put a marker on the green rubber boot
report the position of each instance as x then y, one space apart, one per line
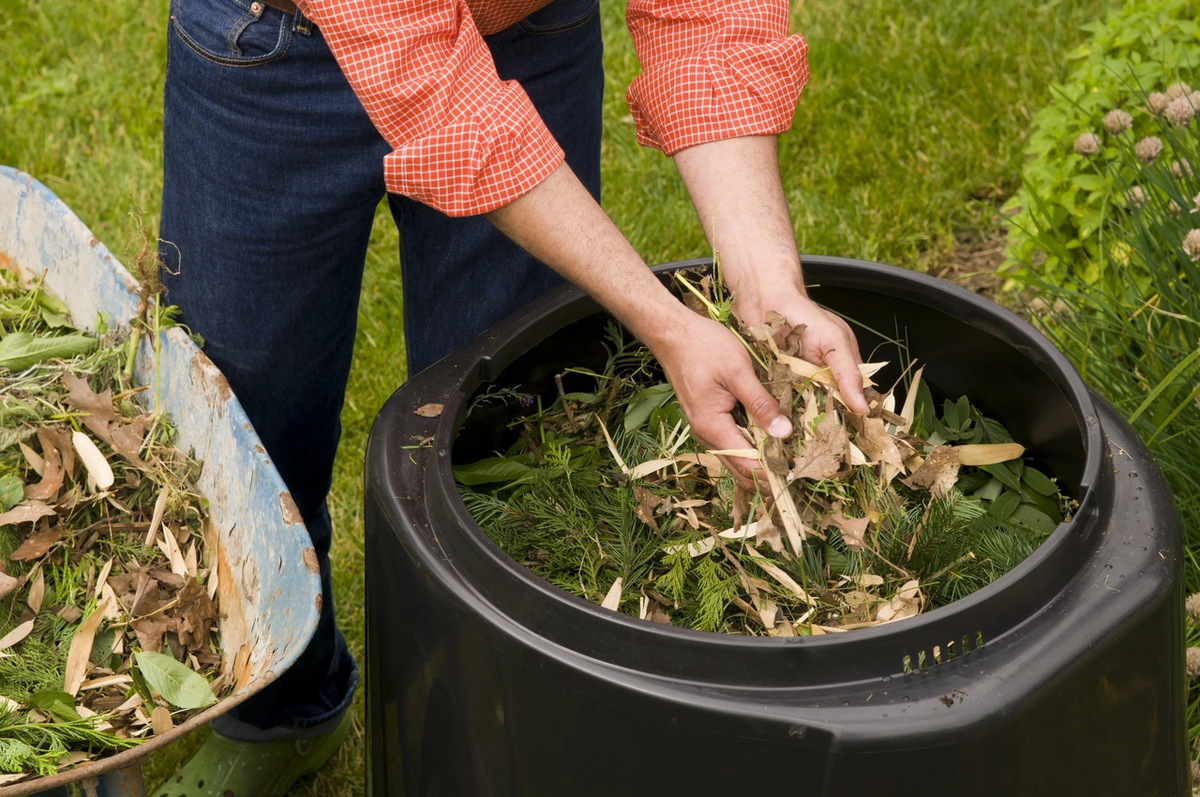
225 767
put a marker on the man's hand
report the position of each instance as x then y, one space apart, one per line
737 191
712 373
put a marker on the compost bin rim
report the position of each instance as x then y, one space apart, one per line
495 351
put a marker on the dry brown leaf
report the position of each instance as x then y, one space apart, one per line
26 512
779 575
194 616
160 506
36 544
774 457
612 448
988 453
613 599
8 585
81 649
60 439
99 472
36 463
773 323
906 603
701 547
768 532
875 442
16 635
150 630
189 560
101 417
647 502
853 529
768 610
649 467
783 629
779 383
430 410
37 592
160 720
108 680
126 438
823 455
52 472
170 546
937 473
102 579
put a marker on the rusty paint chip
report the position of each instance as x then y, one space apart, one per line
288 508
310 560
430 410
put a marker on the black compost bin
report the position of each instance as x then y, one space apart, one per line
1068 674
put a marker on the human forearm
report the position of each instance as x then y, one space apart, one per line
559 223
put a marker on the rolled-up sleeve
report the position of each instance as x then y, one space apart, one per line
463 140
713 69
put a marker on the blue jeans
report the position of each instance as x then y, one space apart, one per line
271 176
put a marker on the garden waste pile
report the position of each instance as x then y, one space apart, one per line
857 520
107 616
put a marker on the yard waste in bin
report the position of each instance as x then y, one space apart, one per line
268 587
1066 677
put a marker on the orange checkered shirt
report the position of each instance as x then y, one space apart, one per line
466 142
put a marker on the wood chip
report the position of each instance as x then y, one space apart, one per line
430 410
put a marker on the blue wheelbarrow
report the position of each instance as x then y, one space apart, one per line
268 583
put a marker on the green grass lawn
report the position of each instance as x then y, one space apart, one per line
906 140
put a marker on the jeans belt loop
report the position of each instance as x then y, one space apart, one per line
302 24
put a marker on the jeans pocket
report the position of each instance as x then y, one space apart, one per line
232 32
559 16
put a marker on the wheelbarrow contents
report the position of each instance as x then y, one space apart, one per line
860 521
107 616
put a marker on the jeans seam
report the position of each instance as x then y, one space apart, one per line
561 27
194 46
236 29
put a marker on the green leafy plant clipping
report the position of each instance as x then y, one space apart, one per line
174 682
19 350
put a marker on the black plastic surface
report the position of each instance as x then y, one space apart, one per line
1067 675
